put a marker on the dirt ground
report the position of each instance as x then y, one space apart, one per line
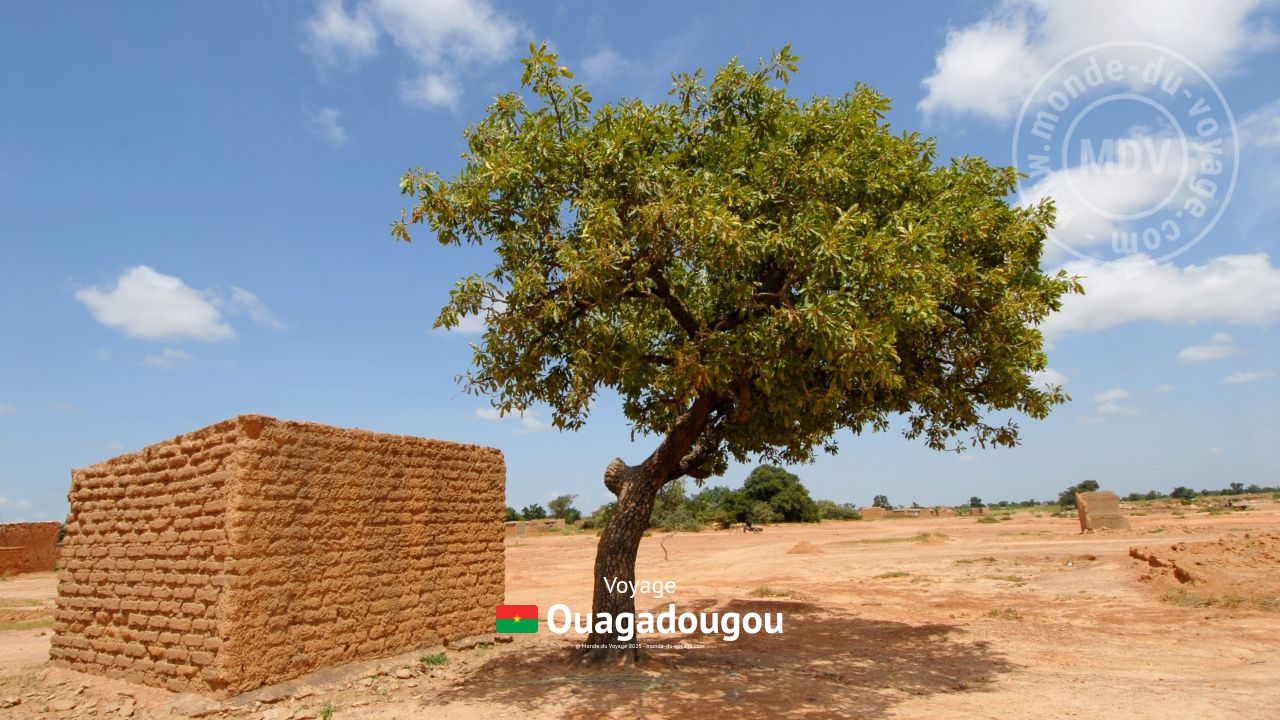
913 618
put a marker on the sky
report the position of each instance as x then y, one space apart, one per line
195 202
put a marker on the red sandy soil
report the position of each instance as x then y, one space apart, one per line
913 618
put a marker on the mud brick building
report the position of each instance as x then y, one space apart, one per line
37 543
258 550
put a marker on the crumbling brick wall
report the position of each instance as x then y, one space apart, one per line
307 546
39 543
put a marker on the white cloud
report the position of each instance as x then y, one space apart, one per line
984 69
1111 402
1145 171
1162 389
988 68
1261 128
1221 345
474 324
603 64
334 35
324 124
168 359
1238 289
1241 378
1047 379
442 38
469 325
1216 451
243 301
527 421
153 306
6 409
431 90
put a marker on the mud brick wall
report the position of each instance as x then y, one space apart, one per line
39 543
145 561
335 545
10 561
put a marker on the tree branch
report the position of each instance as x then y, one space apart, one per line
662 290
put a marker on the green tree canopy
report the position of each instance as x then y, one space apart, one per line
785 494
794 266
562 507
747 270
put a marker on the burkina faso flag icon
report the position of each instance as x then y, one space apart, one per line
516 618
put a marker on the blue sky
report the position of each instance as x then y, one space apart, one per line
195 199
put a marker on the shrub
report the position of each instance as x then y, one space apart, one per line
597 519
434 659
830 510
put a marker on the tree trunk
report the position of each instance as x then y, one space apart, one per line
682 452
616 558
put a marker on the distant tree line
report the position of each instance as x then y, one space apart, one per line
771 494
560 506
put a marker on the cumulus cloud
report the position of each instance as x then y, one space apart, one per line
1048 379
470 325
153 306
150 305
1240 378
1131 175
604 64
988 68
526 422
243 301
168 359
1237 289
1221 345
334 35
324 124
441 38
1261 128
1110 402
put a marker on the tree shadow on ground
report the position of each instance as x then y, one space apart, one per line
826 664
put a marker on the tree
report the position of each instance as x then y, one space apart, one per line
831 510
882 501
1067 498
975 502
512 514
599 518
1182 493
562 507
749 272
785 495
671 509
533 512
